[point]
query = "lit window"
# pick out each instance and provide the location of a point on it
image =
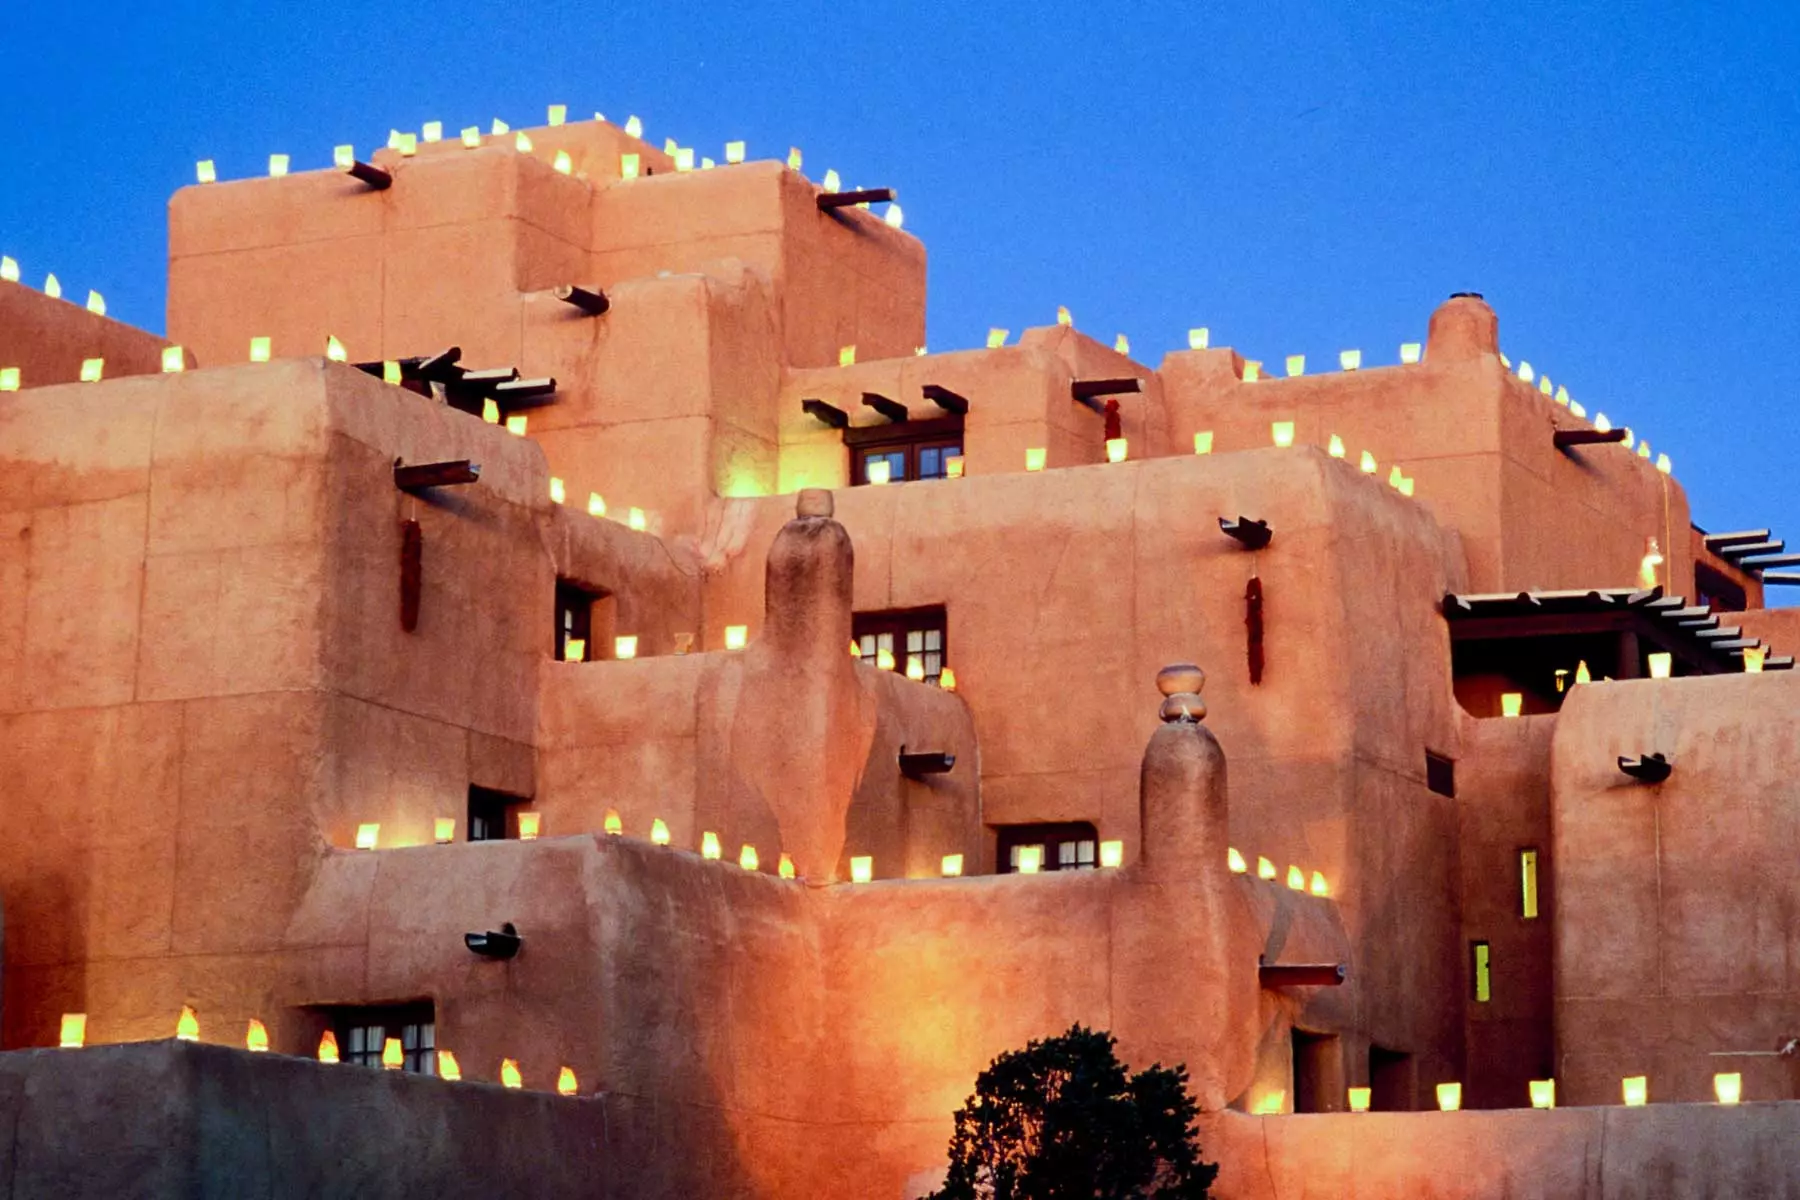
(1478, 968)
(1066, 846)
(1528, 883)
(907, 637)
(911, 449)
(574, 619)
(362, 1033)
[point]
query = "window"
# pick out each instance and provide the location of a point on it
(909, 449)
(491, 815)
(575, 620)
(1440, 774)
(363, 1033)
(1065, 846)
(913, 640)
(1528, 884)
(1478, 969)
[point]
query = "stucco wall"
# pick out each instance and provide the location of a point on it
(1675, 901)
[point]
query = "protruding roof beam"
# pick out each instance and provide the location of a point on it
(917, 766)
(1089, 391)
(591, 301)
(1773, 560)
(525, 393)
(1748, 549)
(377, 179)
(830, 200)
(438, 474)
(1718, 541)
(831, 414)
(1253, 535)
(1276, 975)
(1783, 577)
(946, 399)
(1564, 439)
(1647, 768)
(893, 410)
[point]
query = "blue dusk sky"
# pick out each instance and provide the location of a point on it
(1622, 181)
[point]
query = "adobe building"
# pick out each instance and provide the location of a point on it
(542, 609)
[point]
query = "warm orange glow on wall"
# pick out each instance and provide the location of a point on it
(368, 835)
(1031, 860)
(1271, 1103)
(575, 650)
(613, 823)
(862, 869)
(1034, 458)
(1729, 1088)
(1512, 703)
(747, 858)
(565, 1082)
(443, 830)
(1543, 1093)
(73, 1035)
(1234, 860)
(1112, 853)
(1359, 1099)
(947, 679)
(516, 424)
(1662, 664)
(784, 866)
(1636, 1090)
(1317, 885)
(737, 637)
(509, 1074)
(328, 1047)
(1264, 868)
(635, 519)
(1282, 433)
(529, 823)
(1449, 1097)
(625, 646)
(1116, 449)
(709, 845)
(256, 1037)
(951, 866)
(659, 832)
(187, 1026)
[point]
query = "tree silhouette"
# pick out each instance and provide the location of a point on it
(1061, 1119)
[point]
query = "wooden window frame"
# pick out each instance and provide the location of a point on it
(898, 624)
(1051, 835)
(575, 618)
(414, 1022)
(906, 438)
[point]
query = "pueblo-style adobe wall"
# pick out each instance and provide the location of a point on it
(542, 540)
